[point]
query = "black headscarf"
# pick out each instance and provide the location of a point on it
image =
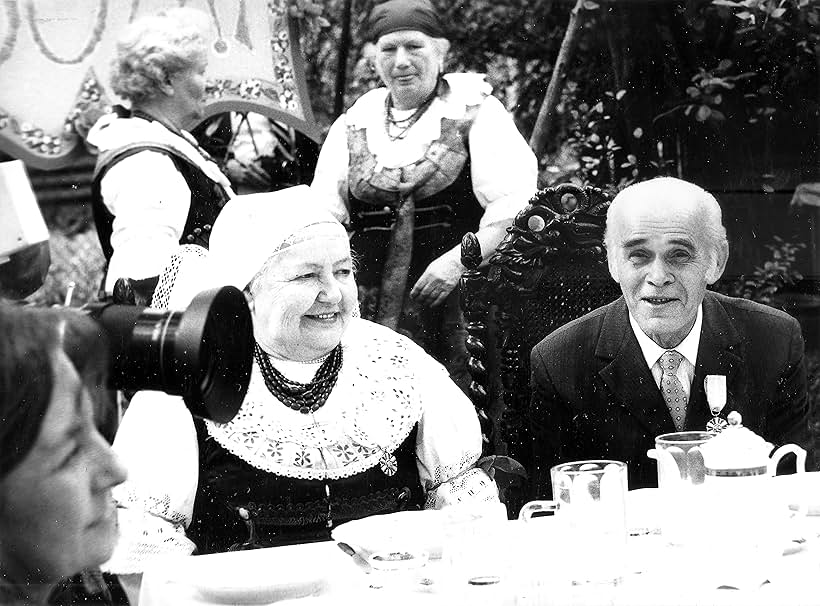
(398, 15)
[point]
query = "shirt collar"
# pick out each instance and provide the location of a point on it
(688, 348)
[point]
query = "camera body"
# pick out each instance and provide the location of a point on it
(203, 353)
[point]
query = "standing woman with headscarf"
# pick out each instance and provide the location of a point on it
(412, 167)
(154, 188)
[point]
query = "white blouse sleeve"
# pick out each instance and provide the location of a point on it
(157, 443)
(448, 443)
(330, 179)
(504, 168)
(149, 199)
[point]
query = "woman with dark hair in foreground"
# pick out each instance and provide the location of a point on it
(57, 516)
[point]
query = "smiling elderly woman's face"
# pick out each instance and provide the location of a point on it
(306, 294)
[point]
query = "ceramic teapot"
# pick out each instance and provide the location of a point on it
(737, 451)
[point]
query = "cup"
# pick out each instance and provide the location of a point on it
(589, 505)
(470, 541)
(681, 473)
(679, 458)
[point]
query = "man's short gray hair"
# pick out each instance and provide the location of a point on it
(716, 232)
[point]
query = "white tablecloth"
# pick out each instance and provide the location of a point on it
(666, 577)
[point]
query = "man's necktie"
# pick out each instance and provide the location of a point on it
(672, 388)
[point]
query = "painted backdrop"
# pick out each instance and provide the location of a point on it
(55, 56)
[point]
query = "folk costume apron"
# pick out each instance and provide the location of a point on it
(402, 219)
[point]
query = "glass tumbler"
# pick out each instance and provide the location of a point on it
(589, 505)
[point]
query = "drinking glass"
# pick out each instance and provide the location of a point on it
(681, 472)
(679, 458)
(589, 505)
(472, 539)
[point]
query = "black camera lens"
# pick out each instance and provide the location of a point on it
(203, 353)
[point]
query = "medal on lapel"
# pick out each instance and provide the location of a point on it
(715, 386)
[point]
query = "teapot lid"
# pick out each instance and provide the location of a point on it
(736, 447)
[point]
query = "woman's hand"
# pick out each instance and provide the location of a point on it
(437, 281)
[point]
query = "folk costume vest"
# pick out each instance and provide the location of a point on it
(239, 506)
(207, 196)
(443, 204)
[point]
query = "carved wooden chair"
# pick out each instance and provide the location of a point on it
(549, 269)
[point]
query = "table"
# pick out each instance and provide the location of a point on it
(657, 575)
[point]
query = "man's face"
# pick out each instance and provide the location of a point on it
(663, 259)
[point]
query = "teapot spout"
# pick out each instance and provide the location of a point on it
(668, 472)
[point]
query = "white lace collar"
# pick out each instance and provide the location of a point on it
(369, 413)
(465, 90)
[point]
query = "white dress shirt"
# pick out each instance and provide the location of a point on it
(688, 348)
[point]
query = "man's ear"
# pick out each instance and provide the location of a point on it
(443, 46)
(613, 267)
(719, 259)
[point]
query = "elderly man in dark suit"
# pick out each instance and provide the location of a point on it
(605, 385)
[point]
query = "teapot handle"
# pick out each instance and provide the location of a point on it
(537, 506)
(778, 454)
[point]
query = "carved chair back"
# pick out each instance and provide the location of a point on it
(549, 269)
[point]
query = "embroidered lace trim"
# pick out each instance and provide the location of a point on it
(187, 256)
(149, 527)
(369, 413)
(471, 486)
(446, 472)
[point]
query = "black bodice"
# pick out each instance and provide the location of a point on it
(207, 196)
(238, 506)
(441, 220)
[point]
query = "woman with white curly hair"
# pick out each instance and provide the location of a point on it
(154, 188)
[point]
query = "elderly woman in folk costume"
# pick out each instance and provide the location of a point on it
(154, 188)
(343, 418)
(412, 167)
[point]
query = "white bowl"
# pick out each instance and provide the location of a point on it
(416, 531)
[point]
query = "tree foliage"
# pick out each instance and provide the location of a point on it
(722, 91)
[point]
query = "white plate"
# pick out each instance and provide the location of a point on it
(261, 576)
(415, 530)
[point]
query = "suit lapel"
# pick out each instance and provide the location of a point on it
(718, 354)
(626, 374)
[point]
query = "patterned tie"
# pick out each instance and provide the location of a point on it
(672, 388)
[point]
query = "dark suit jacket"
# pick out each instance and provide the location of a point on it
(594, 397)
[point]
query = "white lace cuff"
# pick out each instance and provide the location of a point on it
(471, 486)
(148, 528)
(143, 538)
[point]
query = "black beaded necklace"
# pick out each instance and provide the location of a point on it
(301, 397)
(403, 125)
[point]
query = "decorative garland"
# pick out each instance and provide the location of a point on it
(13, 14)
(94, 39)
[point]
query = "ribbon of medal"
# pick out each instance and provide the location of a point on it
(715, 387)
